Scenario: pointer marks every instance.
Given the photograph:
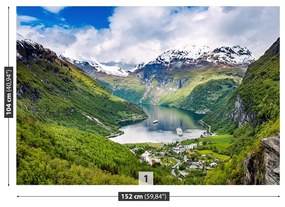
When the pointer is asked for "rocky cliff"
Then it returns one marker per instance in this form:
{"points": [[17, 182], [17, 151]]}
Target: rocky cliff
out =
{"points": [[28, 49], [262, 167], [257, 99], [252, 114], [241, 114], [258, 102]]}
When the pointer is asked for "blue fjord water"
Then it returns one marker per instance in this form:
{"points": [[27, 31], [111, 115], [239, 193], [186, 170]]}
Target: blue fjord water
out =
{"points": [[165, 130]]}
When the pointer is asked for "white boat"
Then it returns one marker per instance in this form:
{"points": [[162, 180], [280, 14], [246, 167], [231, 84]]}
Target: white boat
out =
{"points": [[155, 121], [179, 131]]}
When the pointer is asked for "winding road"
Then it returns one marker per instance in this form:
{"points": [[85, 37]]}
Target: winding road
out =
{"points": [[175, 166]]}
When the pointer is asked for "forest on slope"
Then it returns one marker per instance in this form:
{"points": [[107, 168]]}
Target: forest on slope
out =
{"points": [[63, 118], [253, 116]]}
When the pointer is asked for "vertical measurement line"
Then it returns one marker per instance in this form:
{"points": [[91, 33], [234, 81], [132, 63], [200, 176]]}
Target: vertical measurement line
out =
{"points": [[8, 36], [8, 105], [12, 103], [8, 154]]}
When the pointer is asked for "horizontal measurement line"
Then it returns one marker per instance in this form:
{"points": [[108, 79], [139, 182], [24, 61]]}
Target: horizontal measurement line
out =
{"points": [[51, 196], [224, 196]]}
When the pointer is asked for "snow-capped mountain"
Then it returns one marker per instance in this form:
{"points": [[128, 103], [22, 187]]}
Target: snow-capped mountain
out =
{"points": [[231, 56], [22, 39], [93, 66], [137, 67], [26, 49], [195, 57], [171, 60], [191, 53], [236, 56]]}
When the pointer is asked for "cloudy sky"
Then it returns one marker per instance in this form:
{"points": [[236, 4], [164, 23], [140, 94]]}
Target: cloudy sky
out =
{"points": [[138, 34]]}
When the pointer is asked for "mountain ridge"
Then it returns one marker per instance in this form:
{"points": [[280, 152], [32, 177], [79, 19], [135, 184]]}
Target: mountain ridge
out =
{"points": [[92, 67], [235, 56], [187, 57]]}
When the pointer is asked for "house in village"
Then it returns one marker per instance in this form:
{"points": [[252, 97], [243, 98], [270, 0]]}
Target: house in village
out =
{"points": [[183, 173], [213, 164], [192, 167], [145, 157], [191, 146], [154, 161], [180, 148], [185, 158]]}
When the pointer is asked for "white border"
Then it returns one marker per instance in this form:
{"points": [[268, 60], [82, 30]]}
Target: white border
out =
{"points": [[10, 193]]}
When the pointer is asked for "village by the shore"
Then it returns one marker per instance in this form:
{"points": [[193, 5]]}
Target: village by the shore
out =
{"points": [[182, 158]]}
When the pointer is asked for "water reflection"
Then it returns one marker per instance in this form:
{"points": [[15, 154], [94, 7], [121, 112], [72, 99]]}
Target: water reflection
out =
{"points": [[165, 130]]}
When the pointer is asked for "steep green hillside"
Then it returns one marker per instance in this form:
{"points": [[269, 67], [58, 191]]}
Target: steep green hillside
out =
{"points": [[221, 118], [63, 118], [205, 97], [256, 100], [65, 95], [199, 90], [128, 88], [255, 107], [260, 88]]}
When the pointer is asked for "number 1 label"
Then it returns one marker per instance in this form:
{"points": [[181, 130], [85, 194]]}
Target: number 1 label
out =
{"points": [[145, 178]]}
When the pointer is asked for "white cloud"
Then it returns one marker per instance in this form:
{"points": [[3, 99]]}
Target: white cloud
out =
{"points": [[139, 34], [53, 9], [25, 18]]}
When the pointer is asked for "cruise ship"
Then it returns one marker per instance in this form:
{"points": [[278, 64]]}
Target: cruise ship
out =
{"points": [[179, 131]]}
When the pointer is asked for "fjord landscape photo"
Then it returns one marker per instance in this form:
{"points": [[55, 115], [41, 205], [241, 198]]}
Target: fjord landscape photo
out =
{"points": [[191, 94]]}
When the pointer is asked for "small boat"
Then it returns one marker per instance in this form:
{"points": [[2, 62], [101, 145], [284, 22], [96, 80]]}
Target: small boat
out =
{"points": [[155, 121], [179, 131]]}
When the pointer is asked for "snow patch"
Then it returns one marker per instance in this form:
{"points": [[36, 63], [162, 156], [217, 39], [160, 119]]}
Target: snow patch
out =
{"points": [[235, 56], [137, 67], [89, 65], [20, 39]]}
